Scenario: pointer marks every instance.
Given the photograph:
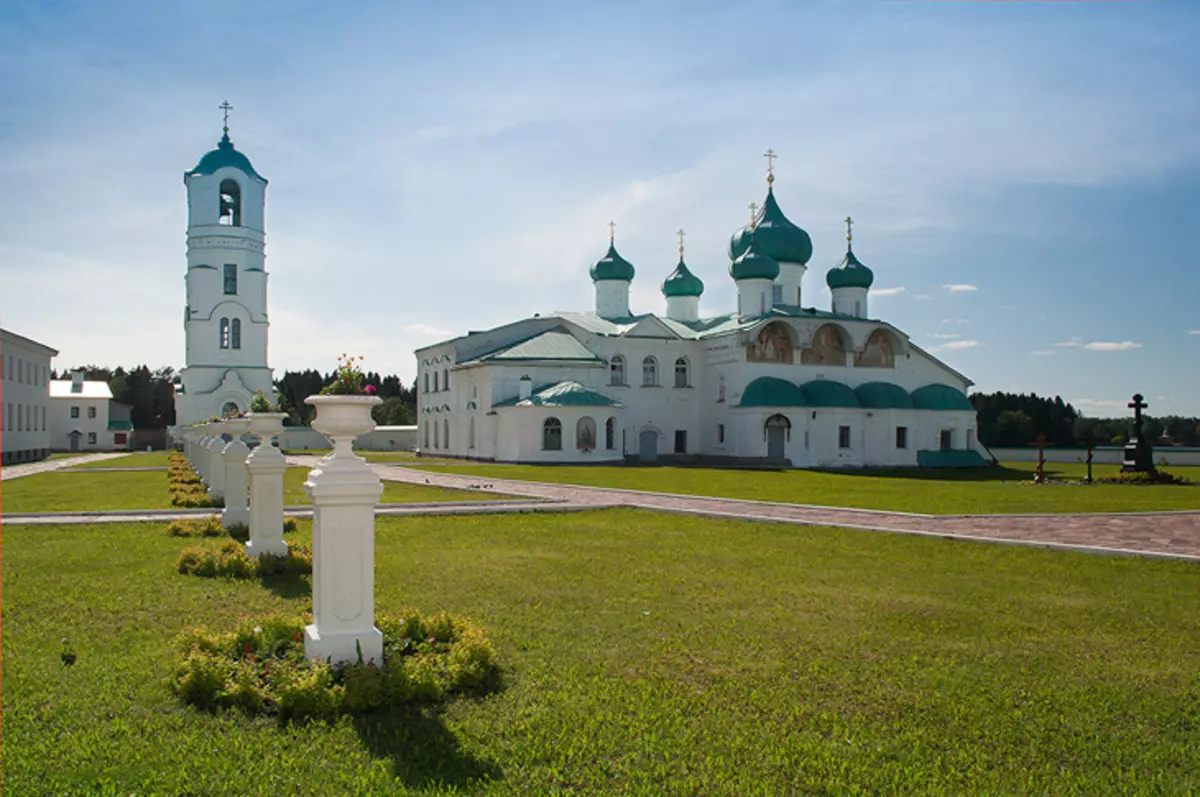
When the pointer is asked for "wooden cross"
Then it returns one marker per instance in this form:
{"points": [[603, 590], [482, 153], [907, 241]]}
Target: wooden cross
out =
{"points": [[1089, 440], [612, 232], [1040, 474], [226, 107], [1137, 405], [681, 233], [770, 156], [753, 215]]}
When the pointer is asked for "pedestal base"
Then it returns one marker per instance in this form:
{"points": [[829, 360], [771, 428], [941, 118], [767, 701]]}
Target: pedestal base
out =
{"points": [[273, 548], [341, 648], [233, 517]]}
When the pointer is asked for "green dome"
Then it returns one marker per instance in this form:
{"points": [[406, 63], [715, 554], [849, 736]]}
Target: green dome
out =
{"points": [[779, 239], [753, 264], [225, 155], [827, 393], [883, 396], [849, 274], [771, 391], [682, 282], [941, 397], [612, 267]]}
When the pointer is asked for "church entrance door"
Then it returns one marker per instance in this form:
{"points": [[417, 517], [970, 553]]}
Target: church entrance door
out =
{"points": [[73, 440], [648, 445], [777, 433]]}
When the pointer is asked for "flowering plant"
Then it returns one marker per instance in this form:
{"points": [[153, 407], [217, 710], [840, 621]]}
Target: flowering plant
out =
{"points": [[260, 402], [348, 379]]}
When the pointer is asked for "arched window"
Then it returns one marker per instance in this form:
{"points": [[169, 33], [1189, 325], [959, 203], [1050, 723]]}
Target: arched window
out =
{"points": [[446, 433], [552, 435], [681, 372], [435, 435], [426, 432], [445, 379], [616, 370], [230, 408], [231, 203], [236, 335], [471, 433], [224, 333], [426, 390], [649, 372], [610, 434], [585, 434], [435, 387]]}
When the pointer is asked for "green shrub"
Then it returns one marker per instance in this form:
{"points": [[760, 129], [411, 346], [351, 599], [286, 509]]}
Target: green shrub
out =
{"points": [[202, 678], [1139, 477], [206, 527], [311, 693]]}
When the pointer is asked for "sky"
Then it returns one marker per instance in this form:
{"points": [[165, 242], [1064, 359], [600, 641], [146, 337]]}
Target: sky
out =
{"points": [[1024, 176]]}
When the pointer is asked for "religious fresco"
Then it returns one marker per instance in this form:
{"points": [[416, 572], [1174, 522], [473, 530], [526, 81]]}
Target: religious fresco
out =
{"points": [[878, 352], [826, 348], [773, 345]]}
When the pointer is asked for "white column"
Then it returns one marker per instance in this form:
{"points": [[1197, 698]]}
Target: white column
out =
{"points": [[344, 492], [266, 465], [216, 463], [233, 455]]}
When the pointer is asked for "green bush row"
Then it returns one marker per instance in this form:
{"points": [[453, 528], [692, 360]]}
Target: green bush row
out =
{"points": [[1139, 477], [231, 561]]}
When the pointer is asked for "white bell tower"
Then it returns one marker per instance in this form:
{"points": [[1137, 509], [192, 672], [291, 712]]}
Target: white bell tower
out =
{"points": [[225, 318]]}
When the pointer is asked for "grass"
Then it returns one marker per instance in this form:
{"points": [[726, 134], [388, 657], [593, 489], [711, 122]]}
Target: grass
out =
{"points": [[69, 454], [644, 654], [975, 491], [75, 490], [151, 459], [393, 492]]}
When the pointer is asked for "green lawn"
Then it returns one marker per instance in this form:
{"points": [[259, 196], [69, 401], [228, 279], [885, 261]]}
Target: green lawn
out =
{"points": [[151, 459], [74, 490], [992, 490], [644, 654], [68, 454], [393, 492]]}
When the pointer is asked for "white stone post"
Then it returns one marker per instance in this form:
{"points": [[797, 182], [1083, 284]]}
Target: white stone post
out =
{"points": [[237, 487], [216, 463], [266, 465], [344, 493]]}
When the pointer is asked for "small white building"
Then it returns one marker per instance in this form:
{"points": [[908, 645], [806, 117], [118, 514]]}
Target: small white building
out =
{"points": [[79, 413], [774, 381], [24, 398]]}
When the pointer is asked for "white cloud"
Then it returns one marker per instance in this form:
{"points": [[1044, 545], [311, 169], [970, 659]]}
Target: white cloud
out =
{"points": [[1194, 331], [1105, 345], [960, 287], [955, 345], [887, 291], [1072, 343]]}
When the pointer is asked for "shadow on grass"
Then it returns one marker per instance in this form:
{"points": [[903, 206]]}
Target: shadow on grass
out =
{"points": [[422, 749], [288, 585]]}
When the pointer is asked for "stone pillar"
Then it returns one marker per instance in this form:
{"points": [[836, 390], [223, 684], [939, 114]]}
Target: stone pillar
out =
{"points": [[237, 488], [266, 466], [215, 465], [344, 492]]}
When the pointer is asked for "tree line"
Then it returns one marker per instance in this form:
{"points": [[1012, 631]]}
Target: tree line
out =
{"points": [[399, 407], [1016, 419]]}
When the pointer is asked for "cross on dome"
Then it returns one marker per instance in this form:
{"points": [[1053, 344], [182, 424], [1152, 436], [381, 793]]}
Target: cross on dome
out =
{"points": [[681, 233], [770, 156], [226, 107], [849, 236], [753, 215], [612, 232]]}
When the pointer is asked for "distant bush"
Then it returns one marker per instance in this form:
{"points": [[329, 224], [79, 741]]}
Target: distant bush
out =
{"points": [[186, 488], [1139, 477], [261, 669], [230, 560], [205, 527]]}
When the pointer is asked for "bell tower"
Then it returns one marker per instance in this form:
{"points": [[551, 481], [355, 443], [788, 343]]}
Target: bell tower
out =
{"points": [[225, 317]]}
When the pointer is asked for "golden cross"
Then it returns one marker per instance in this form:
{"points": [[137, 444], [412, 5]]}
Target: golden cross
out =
{"points": [[226, 107], [612, 232], [681, 233], [770, 156], [753, 215], [849, 236]]}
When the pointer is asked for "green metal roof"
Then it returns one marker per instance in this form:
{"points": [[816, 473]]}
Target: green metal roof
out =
{"points": [[682, 282], [753, 264], [849, 274], [940, 397], [827, 393], [612, 267], [771, 391], [779, 238], [561, 394], [883, 396], [225, 155], [951, 459], [553, 344], [120, 426]]}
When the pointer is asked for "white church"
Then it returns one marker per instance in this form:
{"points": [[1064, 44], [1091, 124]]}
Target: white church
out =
{"points": [[773, 382], [225, 318]]}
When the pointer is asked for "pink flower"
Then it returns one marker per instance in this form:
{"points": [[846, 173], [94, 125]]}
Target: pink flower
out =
{"points": [[370, 390]]}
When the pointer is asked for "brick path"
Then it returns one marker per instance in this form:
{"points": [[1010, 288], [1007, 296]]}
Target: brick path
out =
{"points": [[1175, 534], [47, 465]]}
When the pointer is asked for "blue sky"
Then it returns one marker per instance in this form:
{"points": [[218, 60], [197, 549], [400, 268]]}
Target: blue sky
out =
{"points": [[1025, 177]]}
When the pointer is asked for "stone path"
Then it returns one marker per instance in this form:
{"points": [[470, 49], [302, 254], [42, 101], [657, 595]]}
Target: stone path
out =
{"points": [[1173, 534], [47, 465]]}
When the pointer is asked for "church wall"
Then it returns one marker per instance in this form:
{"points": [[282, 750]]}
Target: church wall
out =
{"points": [[204, 199]]}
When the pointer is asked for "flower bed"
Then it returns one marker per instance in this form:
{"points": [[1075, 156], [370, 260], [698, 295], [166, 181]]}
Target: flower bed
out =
{"points": [[261, 669], [230, 560], [186, 488]]}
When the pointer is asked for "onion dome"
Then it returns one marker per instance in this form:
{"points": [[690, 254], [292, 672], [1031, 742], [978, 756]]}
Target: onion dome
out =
{"points": [[225, 155], [753, 263], [779, 239], [682, 282], [612, 267], [849, 273]]}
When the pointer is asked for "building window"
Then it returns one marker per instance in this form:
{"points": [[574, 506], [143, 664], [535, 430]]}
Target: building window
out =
{"points": [[435, 387], [681, 441], [720, 433], [585, 434], [843, 437], [649, 372], [230, 279], [74, 412], [224, 331], [616, 370], [91, 438], [552, 435], [947, 440], [610, 434], [681, 372], [426, 385], [436, 444], [776, 294], [446, 433], [426, 443], [229, 408], [20, 417], [901, 437], [445, 379], [119, 439], [471, 433], [236, 333], [91, 412], [43, 417], [231, 204]]}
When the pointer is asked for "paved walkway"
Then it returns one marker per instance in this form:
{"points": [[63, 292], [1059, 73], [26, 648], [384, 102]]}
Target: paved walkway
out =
{"points": [[1175, 534], [47, 465]]}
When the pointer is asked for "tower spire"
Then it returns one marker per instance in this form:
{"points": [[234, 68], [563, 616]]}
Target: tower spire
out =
{"points": [[226, 107], [681, 233], [612, 233], [770, 156], [849, 235], [753, 215]]}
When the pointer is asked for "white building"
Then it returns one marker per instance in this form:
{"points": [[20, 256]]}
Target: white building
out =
{"points": [[79, 415], [225, 318], [774, 381], [24, 398]]}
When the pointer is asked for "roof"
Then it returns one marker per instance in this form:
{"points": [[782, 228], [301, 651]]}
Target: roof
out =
{"points": [[120, 426], [941, 397], [883, 396], [780, 239], [90, 389], [553, 344], [849, 273], [225, 155], [561, 394], [771, 391], [612, 267], [4, 333], [828, 393], [682, 282], [754, 263]]}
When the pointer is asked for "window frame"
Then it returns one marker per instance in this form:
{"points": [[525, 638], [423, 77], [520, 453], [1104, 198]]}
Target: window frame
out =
{"points": [[902, 438], [650, 369], [549, 426], [683, 368], [230, 277], [616, 371], [845, 437]]}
